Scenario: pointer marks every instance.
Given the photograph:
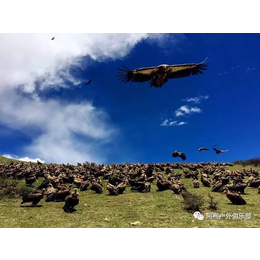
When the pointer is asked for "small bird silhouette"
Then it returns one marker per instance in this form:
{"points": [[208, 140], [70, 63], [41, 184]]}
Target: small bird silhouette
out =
{"points": [[219, 151], [89, 82], [202, 149], [52, 38]]}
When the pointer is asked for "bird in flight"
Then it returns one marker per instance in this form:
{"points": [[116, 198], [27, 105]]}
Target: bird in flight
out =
{"points": [[157, 76], [52, 38], [179, 154], [202, 149], [89, 82], [214, 145], [146, 113], [219, 151]]}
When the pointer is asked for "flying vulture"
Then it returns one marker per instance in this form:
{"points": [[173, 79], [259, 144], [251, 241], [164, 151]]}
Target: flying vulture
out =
{"points": [[159, 75], [89, 82], [219, 151], [179, 154], [52, 38], [202, 149]]}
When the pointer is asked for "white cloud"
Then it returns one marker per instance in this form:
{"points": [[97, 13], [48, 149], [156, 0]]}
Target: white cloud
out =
{"points": [[196, 100], [24, 159], [59, 125], [167, 122], [223, 72], [185, 110], [248, 69], [29, 60]]}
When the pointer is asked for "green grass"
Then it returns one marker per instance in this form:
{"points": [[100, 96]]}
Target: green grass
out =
{"points": [[153, 210]]}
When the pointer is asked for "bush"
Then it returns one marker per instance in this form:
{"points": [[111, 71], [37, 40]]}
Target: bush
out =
{"points": [[254, 161], [10, 188], [194, 203], [212, 204]]}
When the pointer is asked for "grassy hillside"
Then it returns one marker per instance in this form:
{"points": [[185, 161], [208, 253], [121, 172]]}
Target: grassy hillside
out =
{"points": [[5, 160], [153, 210]]}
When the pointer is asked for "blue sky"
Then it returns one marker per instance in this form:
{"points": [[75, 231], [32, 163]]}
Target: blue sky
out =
{"points": [[47, 112]]}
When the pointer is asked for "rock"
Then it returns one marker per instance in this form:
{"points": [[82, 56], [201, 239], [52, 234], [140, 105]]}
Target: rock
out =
{"points": [[136, 223]]}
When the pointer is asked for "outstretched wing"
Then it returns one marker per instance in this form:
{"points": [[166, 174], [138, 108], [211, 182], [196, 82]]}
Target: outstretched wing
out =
{"points": [[183, 156], [138, 75], [185, 70]]}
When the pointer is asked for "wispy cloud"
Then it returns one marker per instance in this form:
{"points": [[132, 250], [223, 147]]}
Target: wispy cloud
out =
{"points": [[196, 100], [24, 159], [167, 122], [250, 69], [223, 72], [186, 110]]}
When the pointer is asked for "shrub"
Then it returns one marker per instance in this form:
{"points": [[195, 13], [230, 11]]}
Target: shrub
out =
{"points": [[254, 161], [212, 204], [194, 203], [10, 188]]}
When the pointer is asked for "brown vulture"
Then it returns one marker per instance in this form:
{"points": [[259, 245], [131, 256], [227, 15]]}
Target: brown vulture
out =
{"points": [[157, 76], [179, 154], [202, 149], [219, 151], [235, 198], [71, 201], [113, 190], [33, 197]]}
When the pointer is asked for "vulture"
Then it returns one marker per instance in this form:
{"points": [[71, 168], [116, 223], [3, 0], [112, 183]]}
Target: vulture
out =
{"points": [[113, 190], [62, 194], [52, 38], [96, 187], [179, 154], [71, 201], [219, 151], [50, 193], [235, 198], [89, 82], [121, 187], [195, 183], [39, 163], [33, 197], [202, 149], [157, 76]]}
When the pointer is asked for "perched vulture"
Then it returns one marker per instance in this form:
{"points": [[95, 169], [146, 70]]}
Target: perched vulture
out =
{"points": [[89, 82], [202, 149], [52, 38], [113, 190], [121, 187], [71, 201], [235, 198], [39, 163], [179, 154], [33, 197], [219, 151], [161, 74]]}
